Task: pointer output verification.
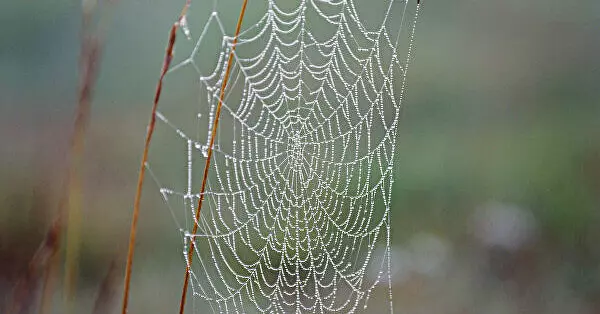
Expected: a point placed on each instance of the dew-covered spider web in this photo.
(296, 212)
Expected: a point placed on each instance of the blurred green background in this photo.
(497, 186)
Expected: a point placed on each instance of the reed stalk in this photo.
(142, 170)
(208, 157)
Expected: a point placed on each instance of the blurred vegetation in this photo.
(503, 106)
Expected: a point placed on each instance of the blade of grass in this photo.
(106, 293)
(68, 203)
(25, 287)
(70, 200)
(88, 67)
(150, 130)
(50, 269)
(208, 157)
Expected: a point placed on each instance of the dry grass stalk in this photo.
(50, 265)
(45, 259)
(89, 69)
(106, 293)
(208, 157)
(70, 200)
(142, 171)
(26, 286)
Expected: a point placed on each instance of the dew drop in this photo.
(184, 26)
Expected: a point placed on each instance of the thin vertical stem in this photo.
(142, 171)
(42, 259)
(106, 293)
(208, 157)
(69, 201)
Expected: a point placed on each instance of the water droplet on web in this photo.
(204, 151)
(184, 27)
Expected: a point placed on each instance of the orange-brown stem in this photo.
(142, 171)
(208, 157)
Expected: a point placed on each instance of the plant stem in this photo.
(208, 157)
(70, 198)
(142, 171)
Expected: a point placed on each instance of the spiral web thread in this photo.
(296, 215)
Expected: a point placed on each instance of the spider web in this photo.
(296, 213)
